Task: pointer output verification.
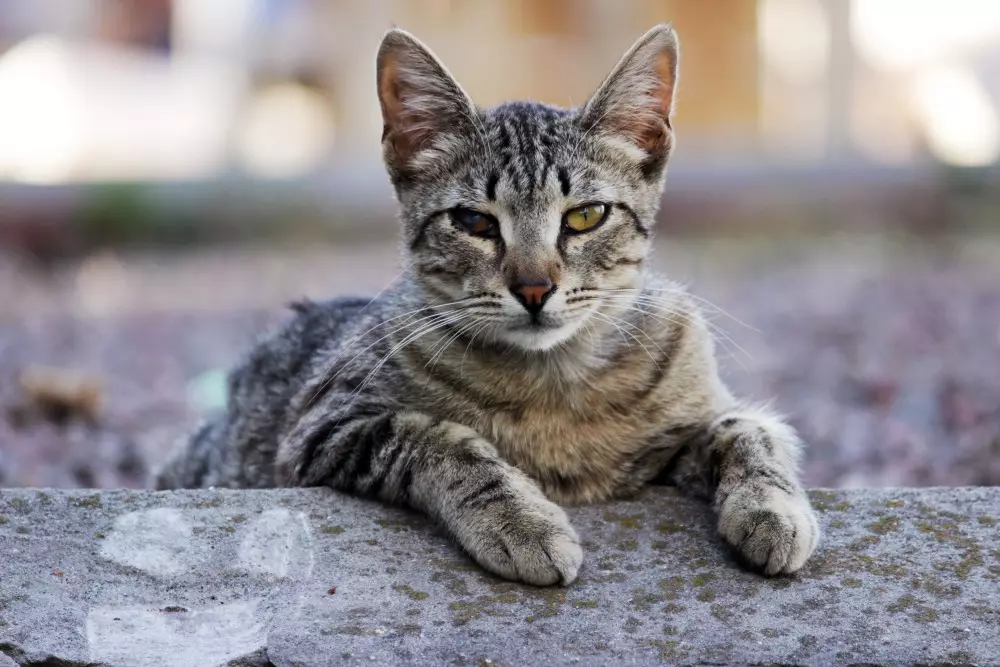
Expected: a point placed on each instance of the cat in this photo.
(526, 356)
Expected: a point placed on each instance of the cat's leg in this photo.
(747, 461)
(446, 470)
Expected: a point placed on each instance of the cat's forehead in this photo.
(519, 127)
(528, 143)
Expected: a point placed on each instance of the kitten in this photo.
(525, 358)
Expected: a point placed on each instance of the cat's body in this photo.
(589, 423)
(524, 356)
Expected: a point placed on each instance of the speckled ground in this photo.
(885, 351)
(308, 577)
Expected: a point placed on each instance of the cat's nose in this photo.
(533, 295)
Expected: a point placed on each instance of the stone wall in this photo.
(296, 577)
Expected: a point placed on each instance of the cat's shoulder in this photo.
(330, 311)
(322, 323)
(311, 323)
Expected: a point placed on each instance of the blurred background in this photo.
(172, 172)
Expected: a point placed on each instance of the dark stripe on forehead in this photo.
(525, 138)
(503, 138)
(513, 174)
(564, 181)
(524, 156)
(491, 186)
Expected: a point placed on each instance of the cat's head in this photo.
(536, 218)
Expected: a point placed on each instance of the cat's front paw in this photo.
(526, 538)
(773, 531)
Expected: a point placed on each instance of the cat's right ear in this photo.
(423, 107)
(632, 109)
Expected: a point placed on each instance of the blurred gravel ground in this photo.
(885, 351)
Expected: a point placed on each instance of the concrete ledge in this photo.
(308, 577)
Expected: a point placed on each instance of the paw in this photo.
(527, 539)
(773, 531)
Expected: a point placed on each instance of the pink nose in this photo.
(533, 295)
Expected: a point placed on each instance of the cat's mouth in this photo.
(536, 324)
(540, 333)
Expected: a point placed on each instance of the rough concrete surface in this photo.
(308, 577)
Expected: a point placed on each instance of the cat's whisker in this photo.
(426, 324)
(615, 325)
(473, 302)
(669, 313)
(439, 345)
(665, 316)
(395, 349)
(592, 332)
(700, 299)
(715, 307)
(461, 365)
(720, 334)
(659, 317)
(448, 340)
(446, 320)
(660, 302)
(613, 320)
(381, 292)
(333, 363)
(407, 314)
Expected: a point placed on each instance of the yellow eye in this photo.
(585, 218)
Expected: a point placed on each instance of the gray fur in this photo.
(446, 395)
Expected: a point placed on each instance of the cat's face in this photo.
(534, 220)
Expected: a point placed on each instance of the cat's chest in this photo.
(576, 455)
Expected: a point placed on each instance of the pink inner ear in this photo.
(403, 127)
(389, 93)
(664, 67)
(646, 120)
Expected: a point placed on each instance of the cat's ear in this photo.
(635, 102)
(423, 107)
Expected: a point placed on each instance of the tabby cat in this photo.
(525, 357)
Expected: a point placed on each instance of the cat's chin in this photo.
(538, 338)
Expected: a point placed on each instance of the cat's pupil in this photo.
(475, 222)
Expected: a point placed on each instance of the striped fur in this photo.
(446, 395)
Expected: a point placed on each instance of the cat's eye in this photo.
(476, 223)
(585, 218)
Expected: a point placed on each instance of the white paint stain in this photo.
(155, 638)
(156, 541)
(277, 544)
(169, 543)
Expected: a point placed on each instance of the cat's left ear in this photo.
(636, 100)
